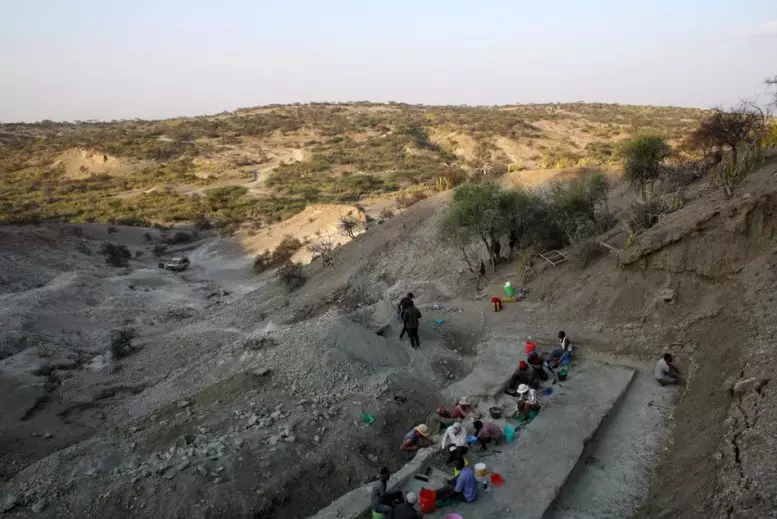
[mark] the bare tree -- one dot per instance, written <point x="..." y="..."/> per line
<point x="721" y="129"/>
<point x="323" y="248"/>
<point x="348" y="226"/>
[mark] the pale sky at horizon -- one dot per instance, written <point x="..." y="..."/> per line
<point x="122" y="59"/>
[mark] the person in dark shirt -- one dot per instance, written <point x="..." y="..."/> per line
<point x="404" y="303"/>
<point x="411" y="317"/>
<point x="383" y="501"/>
<point x="407" y="509"/>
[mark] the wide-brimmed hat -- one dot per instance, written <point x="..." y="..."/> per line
<point x="422" y="429"/>
<point x="523" y="388"/>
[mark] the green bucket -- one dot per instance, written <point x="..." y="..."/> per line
<point x="562" y="375"/>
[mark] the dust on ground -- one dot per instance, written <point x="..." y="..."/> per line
<point x="237" y="393"/>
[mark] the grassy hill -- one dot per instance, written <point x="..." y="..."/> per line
<point x="265" y="164"/>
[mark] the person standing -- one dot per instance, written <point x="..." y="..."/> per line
<point x="411" y="317"/>
<point x="404" y="303"/>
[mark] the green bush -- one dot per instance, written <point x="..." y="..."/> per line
<point x="115" y="255"/>
<point x="583" y="253"/>
<point x="292" y="275"/>
<point x="643" y="157"/>
<point x="121" y="342"/>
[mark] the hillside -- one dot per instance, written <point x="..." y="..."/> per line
<point x="265" y="164"/>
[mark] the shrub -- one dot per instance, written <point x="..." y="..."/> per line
<point x="115" y="255"/>
<point x="159" y="250"/>
<point x="641" y="216"/>
<point x="584" y="252"/>
<point x="112" y="230"/>
<point x="201" y="222"/>
<point x="292" y="276"/>
<point x="285" y="250"/>
<point x="386" y="214"/>
<point x="147" y="236"/>
<point x="348" y="226"/>
<point x="179" y="237"/>
<point x="734" y="168"/>
<point x="324" y="249"/>
<point x="262" y="262"/>
<point x="745" y="124"/>
<point x="121" y="342"/>
<point x="405" y="200"/>
<point x="642" y="161"/>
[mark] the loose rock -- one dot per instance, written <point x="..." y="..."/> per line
<point x="39" y="506"/>
<point x="9" y="503"/>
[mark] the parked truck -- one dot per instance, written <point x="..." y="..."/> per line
<point x="176" y="264"/>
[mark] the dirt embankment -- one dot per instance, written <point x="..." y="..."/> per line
<point x="234" y="399"/>
<point x="701" y="284"/>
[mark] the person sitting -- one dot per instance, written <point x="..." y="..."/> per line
<point x="415" y="438"/>
<point x="523" y="375"/>
<point x="407" y="509"/>
<point x="465" y="409"/>
<point x="440" y="419"/>
<point x="527" y="401"/>
<point x="454" y="442"/>
<point x="542" y="369"/>
<point x="487" y="432"/>
<point x="463" y="487"/>
<point x="383" y="501"/>
<point x="558" y="355"/>
<point x="666" y="372"/>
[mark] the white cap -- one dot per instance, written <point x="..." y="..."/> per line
<point x="523" y="388"/>
<point x="411" y="498"/>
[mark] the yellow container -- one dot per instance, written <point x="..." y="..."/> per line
<point x="480" y="470"/>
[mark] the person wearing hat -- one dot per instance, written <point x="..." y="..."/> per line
<point x="465" y="409"/>
<point x="415" y="438"/>
<point x="407" y="509"/>
<point x="383" y="501"/>
<point x="527" y="401"/>
<point x="523" y="375"/>
<point x="454" y="442"/>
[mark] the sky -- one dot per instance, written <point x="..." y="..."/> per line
<point x="124" y="59"/>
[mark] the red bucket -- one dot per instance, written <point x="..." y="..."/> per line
<point x="426" y="500"/>
<point x="497" y="480"/>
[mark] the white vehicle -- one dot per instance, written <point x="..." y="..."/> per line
<point x="177" y="264"/>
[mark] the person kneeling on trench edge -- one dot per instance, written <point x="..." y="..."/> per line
<point x="487" y="432"/>
<point x="415" y="438"/>
<point x="383" y="501"/>
<point x="463" y="487"/>
<point x="454" y="442"/>
<point x="527" y="401"/>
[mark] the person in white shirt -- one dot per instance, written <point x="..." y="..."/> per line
<point x="666" y="372"/>
<point x="454" y="442"/>
<point x="527" y="401"/>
